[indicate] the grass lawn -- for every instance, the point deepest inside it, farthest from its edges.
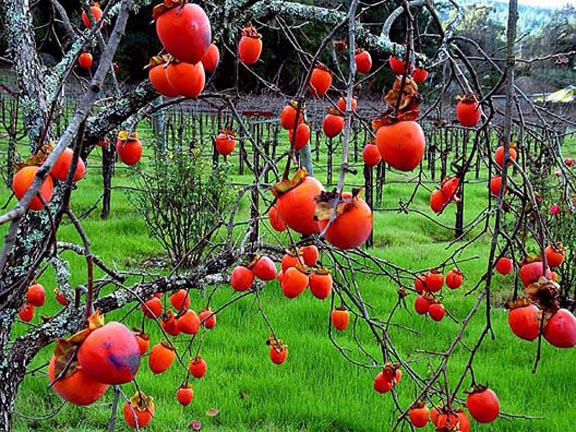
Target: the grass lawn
(315, 389)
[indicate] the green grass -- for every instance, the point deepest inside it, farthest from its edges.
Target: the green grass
(316, 389)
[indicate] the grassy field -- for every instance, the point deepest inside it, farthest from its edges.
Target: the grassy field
(315, 389)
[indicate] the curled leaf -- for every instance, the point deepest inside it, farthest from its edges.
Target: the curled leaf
(165, 6)
(404, 98)
(286, 185)
(37, 158)
(158, 60)
(327, 202)
(141, 402)
(127, 136)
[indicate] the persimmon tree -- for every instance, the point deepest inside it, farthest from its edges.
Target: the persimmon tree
(333, 223)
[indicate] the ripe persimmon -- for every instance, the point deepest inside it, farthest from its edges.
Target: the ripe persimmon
(340, 318)
(401, 144)
(225, 142)
(320, 283)
(352, 225)
(419, 415)
(186, 79)
(495, 184)
(96, 15)
(241, 278)
(436, 311)
(207, 318)
(129, 148)
(421, 305)
(531, 272)
(278, 352)
(184, 31)
(387, 379)
(180, 300)
(143, 340)
(450, 419)
(294, 281)
(75, 386)
(438, 201)
(554, 255)
(398, 65)
(483, 404)
(265, 269)
(139, 411)
(26, 312)
(341, 103)
(60, 297)
(288, 116)
(188, 322)
(169, 324)
(152, 308)
(276, 220)
(560, 330)
(504, 265)
(36, 295)
(419, 75)
(298, 205)
(185, 394)
(320, 80)
(63, 164)
(157, 74)
(250, 46)
(22, 181)
(290, 259)
(332, 124)
(420, 283)
(434, 281)
(198, 367)
(363, 61)
(468, 111)
(211, 58)
(110, 354)
(499, 155)
(161, 357)
(85, 60)
(449, 186)
(309, 255)
(454, 278)
(301, 138)
(371, 155)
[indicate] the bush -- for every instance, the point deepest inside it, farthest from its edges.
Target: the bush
(183, 199)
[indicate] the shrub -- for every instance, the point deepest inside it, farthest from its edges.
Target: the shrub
(182, 198)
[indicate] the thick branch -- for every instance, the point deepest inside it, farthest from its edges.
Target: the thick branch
(26, 63)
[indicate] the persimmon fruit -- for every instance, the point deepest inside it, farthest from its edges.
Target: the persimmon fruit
(184, 31)
(22, 181)
(110, 354)
(401, 144)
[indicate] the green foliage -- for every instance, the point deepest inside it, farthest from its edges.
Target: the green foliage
(183, 200)
(558, 36)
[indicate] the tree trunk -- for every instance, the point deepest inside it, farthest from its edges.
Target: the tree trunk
(369, 195)
(459, 228)
(8, 390)
(306, 159)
